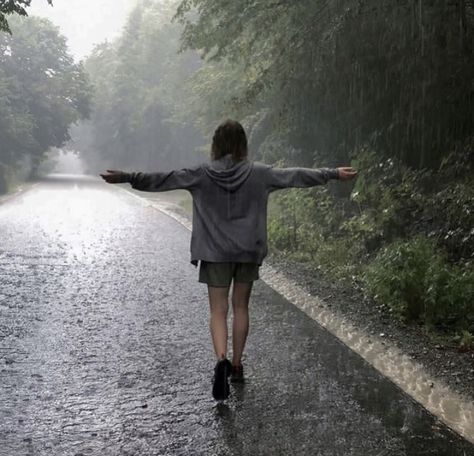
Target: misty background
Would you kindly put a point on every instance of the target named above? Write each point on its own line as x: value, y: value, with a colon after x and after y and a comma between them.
x: 85, y: 23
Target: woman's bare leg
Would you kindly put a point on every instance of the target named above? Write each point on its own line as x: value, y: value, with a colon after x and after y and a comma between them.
x: 240, y: 328
x: 219, y: 306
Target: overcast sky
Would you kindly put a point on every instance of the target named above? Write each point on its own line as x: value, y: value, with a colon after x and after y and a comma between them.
x: 85, y: 22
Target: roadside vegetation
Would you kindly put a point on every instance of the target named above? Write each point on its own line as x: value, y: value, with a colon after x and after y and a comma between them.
x: 42, y: 93
x: 405, y: 236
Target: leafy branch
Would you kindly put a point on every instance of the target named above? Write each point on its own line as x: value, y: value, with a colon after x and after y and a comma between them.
x: 8, y: 7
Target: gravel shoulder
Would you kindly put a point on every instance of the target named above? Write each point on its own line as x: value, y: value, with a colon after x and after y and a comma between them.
x: 440, y: 359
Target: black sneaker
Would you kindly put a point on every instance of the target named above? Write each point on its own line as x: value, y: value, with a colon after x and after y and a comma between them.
x: 220, y: 386
x: 237, y: 375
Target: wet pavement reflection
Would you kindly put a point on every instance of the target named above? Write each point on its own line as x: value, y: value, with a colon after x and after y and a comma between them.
x: 105, y: 349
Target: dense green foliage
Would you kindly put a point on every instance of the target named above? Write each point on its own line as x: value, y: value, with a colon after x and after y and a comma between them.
x: 138, y: 92
x: 415, y: 279
x: 331, y: 76
x: 13, y: 7
x: 405, y: 235
x: 42, y: 92
x: 388, y: 202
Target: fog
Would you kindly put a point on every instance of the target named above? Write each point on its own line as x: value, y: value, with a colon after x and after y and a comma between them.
x: 85, y: 22
x: 68, y: 162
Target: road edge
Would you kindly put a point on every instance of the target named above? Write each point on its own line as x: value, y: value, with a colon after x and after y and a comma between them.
x: 22, y: 188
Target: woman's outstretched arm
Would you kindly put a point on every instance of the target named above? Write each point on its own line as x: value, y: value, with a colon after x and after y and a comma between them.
x: 186, y: 179
x: 279, y: 178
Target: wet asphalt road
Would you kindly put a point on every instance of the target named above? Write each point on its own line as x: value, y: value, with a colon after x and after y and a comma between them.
x: 105, y: 350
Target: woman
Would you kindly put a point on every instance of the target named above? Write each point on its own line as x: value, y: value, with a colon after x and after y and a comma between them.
x: 229, y: 236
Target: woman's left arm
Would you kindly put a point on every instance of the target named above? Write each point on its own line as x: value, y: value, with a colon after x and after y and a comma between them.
x: 279, y: 178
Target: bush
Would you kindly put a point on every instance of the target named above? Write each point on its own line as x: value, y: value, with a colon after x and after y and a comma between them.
x: 417, y: 282
x: 295, y: 222
x: 459, y: 297
x: 398, y: 275
x: 398, y: 202
x: 339, y: 258
x: 454, y: 229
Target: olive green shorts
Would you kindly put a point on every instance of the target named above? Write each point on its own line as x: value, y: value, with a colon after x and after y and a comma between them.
x: 222, y: 274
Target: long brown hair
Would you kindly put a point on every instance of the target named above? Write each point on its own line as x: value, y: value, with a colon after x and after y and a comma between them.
x: 229, y: 138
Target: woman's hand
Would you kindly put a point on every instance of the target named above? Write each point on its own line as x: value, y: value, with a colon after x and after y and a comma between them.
x: 346, y: 173
x: 115, y: 177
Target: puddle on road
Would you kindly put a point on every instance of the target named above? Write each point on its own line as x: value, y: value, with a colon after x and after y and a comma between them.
x: 453, y: 409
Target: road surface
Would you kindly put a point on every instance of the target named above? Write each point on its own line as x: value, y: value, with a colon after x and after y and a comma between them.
x: 105, y: 349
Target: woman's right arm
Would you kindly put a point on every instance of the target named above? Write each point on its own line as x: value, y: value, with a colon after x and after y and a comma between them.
x: 187, y: 179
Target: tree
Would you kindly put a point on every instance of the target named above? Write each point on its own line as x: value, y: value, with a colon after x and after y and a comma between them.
x: 140, y: 94
x: 13, y: 7
x: 43, y: 91
x: 334, y: 76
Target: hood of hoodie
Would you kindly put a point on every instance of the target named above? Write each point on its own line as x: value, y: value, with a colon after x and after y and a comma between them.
x: 227, y: 173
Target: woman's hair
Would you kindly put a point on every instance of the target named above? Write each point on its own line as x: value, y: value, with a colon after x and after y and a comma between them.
x: 229, y: 138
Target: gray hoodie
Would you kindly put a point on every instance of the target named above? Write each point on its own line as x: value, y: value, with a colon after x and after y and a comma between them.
x: 230, y: 203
